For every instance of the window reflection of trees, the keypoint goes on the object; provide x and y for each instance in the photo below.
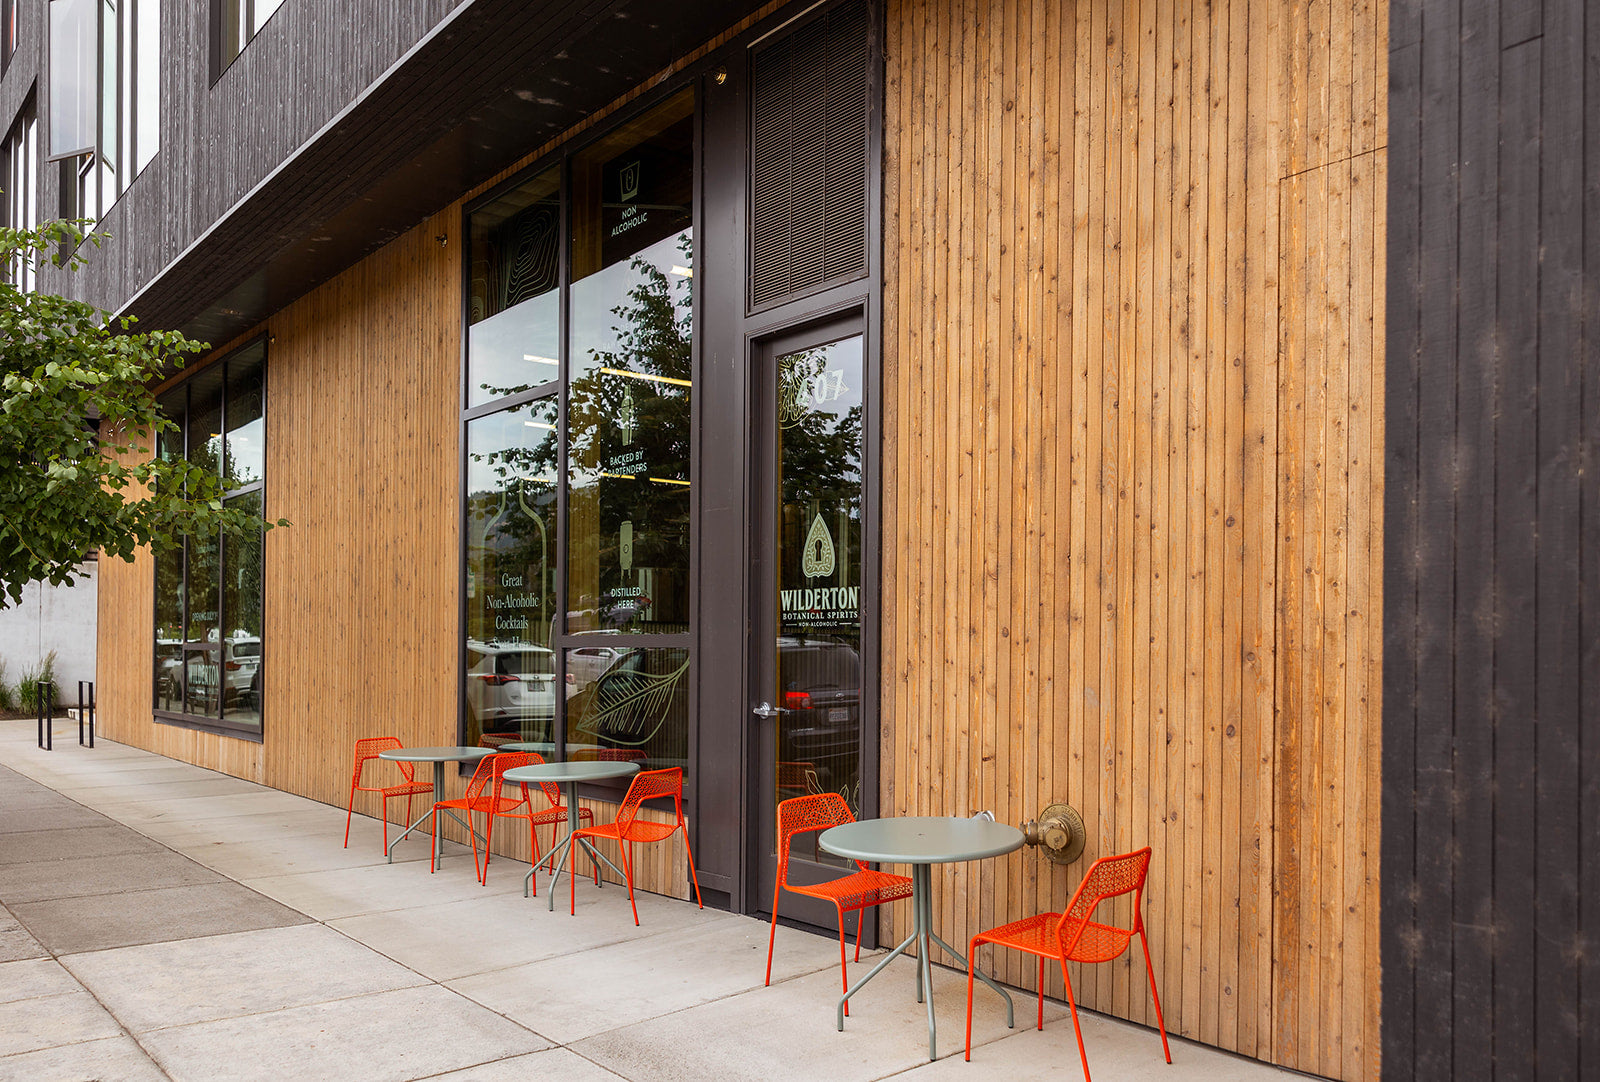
(615, 411)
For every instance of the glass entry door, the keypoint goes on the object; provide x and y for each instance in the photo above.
(808, 665)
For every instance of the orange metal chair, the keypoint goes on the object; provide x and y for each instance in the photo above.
(1072, 937)
(555, 814)
(853, 893)
(476, 800)
(629, 828)
(369, 749)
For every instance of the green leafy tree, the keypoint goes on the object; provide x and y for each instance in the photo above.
(66, 489)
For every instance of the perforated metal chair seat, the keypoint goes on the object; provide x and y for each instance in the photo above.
(557, 815)
(857, 890)
(1037, 935)
(410, 788)
(497, 805)
(637, 831)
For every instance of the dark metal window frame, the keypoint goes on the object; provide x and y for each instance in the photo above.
(11, 201)
(203, 722)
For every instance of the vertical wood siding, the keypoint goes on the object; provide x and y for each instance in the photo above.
(362, 416)
(1133, 480)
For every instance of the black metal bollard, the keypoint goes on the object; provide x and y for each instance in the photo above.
(44, 699)
(86, 707)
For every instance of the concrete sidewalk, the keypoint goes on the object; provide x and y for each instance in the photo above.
(161, 921)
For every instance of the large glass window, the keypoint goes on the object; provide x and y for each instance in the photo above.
(105, 98)
(512, 485)
(514, 340)
(628, 382)
(209, 593)
(19, 177)
(581, 323)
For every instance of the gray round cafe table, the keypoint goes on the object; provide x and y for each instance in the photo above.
(435, 756)
(569, 775)
(921, 841)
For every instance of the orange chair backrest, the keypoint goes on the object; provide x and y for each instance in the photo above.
(506, 760)
(1108, 877)
(482, 775)
(803, 814)
(368, 748)
(648, 785)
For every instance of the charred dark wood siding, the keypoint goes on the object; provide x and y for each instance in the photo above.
(220, 140)
(1491, 889)
(338, 128)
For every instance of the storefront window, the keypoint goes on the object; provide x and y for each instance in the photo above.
(629, 703)
(579, 376)
(629, 384)
(514, 340)
(819, 570)
(511, 502)
(209, 593)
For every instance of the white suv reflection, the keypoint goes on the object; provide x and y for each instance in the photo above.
(510, 685)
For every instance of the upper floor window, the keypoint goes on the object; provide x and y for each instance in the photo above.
(235, 22)
(8, 32)
(105, 98)
(19, 189)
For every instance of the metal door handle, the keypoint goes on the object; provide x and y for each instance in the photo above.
(766, 710)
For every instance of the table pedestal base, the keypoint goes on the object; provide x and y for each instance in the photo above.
(922, 935)
(565, 849)
(436, 849)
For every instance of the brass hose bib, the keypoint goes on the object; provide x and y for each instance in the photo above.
(1058, 832)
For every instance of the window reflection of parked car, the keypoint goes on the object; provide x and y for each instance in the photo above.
(169, 666)
(235, 661)
(245, 660)
(511, 689)
(586, 663)
(819, 681)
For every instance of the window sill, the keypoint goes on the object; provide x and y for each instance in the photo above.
(251, 733)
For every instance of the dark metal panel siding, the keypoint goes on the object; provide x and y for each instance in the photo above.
(809, 157)
(220, 140)
(1491, 711)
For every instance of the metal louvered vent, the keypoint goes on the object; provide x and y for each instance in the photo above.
(809, 162)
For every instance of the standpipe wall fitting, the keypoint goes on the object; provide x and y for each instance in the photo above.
(1058, 832)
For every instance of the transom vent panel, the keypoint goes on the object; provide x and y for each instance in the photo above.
(809, 157)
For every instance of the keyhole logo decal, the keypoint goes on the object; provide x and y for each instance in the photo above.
(818, 559)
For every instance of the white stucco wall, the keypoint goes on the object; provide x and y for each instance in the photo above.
(59, 618)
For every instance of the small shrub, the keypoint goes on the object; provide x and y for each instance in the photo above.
(28, 686)
(8, 693)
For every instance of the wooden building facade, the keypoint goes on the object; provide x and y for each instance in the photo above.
(1121, 306)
